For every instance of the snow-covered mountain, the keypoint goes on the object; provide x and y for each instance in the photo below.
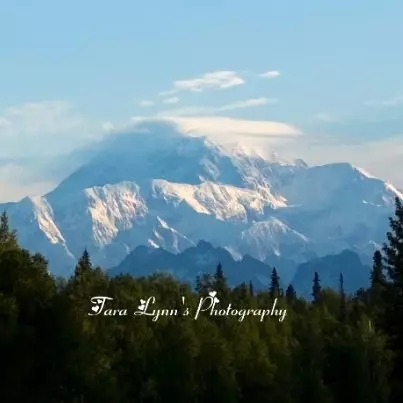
(159, 187)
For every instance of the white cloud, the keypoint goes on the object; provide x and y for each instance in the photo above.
(173, 100)
(214, 80)
(267, 137)
(186, 111)
(204, 110)
(34, 133)
(146, 103)
(38, 127)
(256, 135)
(16, 182)
(225, 126)
(249, 103)
(45, 127)
(387, 102)
(270, 74)
(38, 117)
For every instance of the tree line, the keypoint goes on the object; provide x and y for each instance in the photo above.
(333, 348)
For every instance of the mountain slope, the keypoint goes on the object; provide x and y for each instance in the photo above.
(159, 187)
(202, 258)
(329, 268)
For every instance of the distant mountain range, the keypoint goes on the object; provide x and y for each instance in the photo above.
(159, 187)
(355, 274)
(204, 258)
(186, 265)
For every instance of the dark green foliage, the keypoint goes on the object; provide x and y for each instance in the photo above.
(393, 248)
(343, 302)
(53, 351)
(393, 324)
(274, 284)
(8, 238)
(220, 282)
(204, 283)
(290, 293)
(251, 289)
(378, 289)
(377, 272)
(316, 288)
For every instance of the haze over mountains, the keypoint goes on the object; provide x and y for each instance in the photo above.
(203, 258)
(159, 187)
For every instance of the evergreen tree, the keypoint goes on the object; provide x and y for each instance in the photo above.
(251, 289)
(341, 285)
(315, 355)
(8, 238)
(241, 294)
(290, 293)
(198, 283)
(204, 283)
(82, 281)
(220, 284)
(28, 325)
(274, 284)
(220, 281)
(84, 264)
(393, 250)
(316, 288)
(377, 274)
(343, 305)
(378, 287)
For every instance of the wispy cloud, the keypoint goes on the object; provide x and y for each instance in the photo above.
(37, 117)
(173, 100)
(187, 111)
(47, 126)
(146, 103)
(166, 93)
(32, 133)
(204, 110)
(225, 126)
(270, 74)
(17, 182)
(249, 103)
(209, 81)
(386, 102)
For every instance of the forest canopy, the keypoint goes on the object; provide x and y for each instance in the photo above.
(334, 348)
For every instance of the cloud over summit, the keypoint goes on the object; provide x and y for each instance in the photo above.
(249, 103)
(208, 81)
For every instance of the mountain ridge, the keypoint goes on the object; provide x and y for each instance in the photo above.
(194, 261)
(203, 258)
(162, 188)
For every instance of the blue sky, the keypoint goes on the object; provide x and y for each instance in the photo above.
(82, 65)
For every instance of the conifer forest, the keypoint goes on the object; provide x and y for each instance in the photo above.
(333, 348)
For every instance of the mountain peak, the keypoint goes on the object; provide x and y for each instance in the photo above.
(156, 186)
(204, 246)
